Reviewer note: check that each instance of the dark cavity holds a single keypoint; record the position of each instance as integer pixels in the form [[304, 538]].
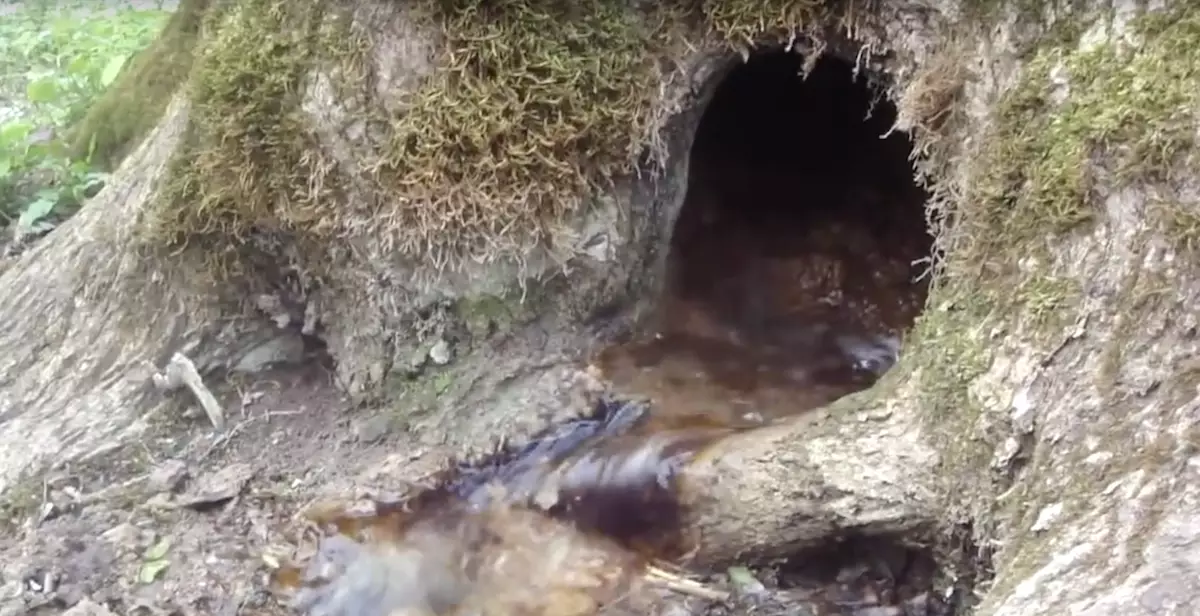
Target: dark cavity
[[795, 261]]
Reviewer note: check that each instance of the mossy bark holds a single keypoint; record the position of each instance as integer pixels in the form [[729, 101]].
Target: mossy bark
[[1062, 428], [1060, 420], [128, 110]]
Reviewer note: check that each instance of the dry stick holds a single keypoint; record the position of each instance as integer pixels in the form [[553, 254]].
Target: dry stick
[[682, 585], [180, 372]]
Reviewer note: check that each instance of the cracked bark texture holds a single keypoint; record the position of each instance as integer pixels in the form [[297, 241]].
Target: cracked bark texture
[[88, 321], [1101, 520]]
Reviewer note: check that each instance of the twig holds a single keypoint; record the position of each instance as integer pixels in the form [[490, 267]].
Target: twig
[[682, 585], [1078, 331], [180, 372], [227, 436], [107, 491]]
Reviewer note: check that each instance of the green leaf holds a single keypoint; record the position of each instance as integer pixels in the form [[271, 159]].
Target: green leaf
[[150, 571], [743, 579], [80, 65], [43, 90], [112, 69], [15, 133], [36, 210], [158, 550]]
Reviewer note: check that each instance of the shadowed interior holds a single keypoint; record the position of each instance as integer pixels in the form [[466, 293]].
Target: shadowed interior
[[794, 263]]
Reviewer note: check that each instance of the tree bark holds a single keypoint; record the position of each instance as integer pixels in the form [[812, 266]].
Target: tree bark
[[774, 491], [89, 319], [1099, 519]]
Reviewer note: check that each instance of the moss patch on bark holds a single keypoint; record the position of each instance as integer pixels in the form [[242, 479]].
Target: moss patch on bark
[[1090, 113], [133, 105], [533, 108]]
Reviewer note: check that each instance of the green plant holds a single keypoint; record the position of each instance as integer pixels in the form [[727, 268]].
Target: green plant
[[54, 63]]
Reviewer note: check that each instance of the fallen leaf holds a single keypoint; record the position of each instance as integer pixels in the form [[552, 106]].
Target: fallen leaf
[[151, 570], [158, 550]]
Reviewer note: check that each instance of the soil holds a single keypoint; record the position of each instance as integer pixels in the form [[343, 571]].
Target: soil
[[218, 501]]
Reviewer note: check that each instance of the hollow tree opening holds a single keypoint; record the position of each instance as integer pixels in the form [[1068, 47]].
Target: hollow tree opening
[[794, 260]]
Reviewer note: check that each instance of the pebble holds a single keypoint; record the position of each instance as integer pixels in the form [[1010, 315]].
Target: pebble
[[372, 429], [218, 487], [440, 352]]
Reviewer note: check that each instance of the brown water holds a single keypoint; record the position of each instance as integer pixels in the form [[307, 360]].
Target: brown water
[[767, 315], [583, 507], [794, 263], [567, 526]]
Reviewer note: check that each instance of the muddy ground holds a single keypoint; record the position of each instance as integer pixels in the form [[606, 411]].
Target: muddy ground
[[186, 521]]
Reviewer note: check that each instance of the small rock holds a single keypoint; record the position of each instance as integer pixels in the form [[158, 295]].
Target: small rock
[[48, 511], [418, 360], [217, 488], [168, 476], [125, 534], [440, 352], [87, 607], [879, 610], [917, 606], [372, 429], [1046, 517]]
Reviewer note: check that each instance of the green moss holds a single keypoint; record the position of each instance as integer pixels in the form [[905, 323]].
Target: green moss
[[126, 112], [535, 105], [1048, 302], [20, 502], [1133, 108], [949, 347], [441, 382], [249, 162], [747, 23], [485, 314], [1036, 179]]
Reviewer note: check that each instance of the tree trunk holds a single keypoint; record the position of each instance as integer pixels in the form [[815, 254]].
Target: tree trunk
[[1046, 396], [89, 319]]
